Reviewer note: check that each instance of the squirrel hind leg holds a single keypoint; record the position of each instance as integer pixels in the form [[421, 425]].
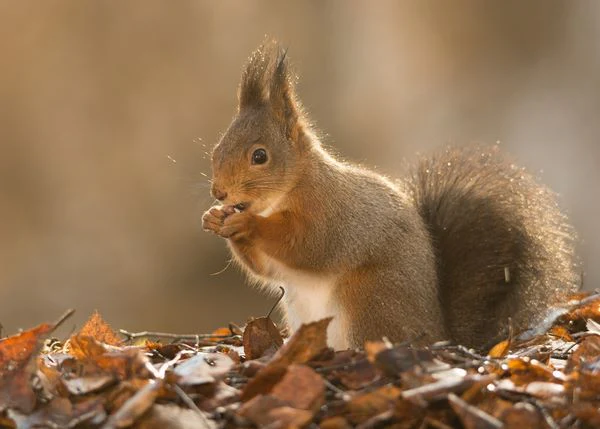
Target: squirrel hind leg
[[378, 304]]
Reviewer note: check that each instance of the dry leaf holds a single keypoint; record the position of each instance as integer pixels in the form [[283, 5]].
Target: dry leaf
[[308, 341], [135, 406], [174, 417], [17, 365], [261, 337], [587, 350], [337, 422], [522, 416], [85, 347], [257, 409], [365, 406], [301, 387], [499, 350], [101, 331], [472, 417]]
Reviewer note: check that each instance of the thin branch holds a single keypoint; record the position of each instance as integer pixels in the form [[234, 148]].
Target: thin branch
[[62, 318], [188, 337], [282, 290], [191, 404]]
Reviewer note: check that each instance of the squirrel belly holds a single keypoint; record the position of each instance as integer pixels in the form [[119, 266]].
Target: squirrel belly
[[466, 244]]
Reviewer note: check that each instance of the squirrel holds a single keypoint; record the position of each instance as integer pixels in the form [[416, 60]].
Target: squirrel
[[462, 247]]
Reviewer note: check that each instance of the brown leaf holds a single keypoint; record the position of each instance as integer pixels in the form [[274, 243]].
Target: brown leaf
[[500, 350], [358, 376], [365, 406], [301, 387], [60, 412], [373, 348], [471, 416], [264, 381], [266, 410], [396, 360], [336, 422], [587, 350], [308, 342], [261, 337], [173, 417], [125, 363], [290, 418], [561, 332], [94, 358], [101, 331], [17, 365], [522, 415], [408, 413], [85, 347], [219, 333], [525, 370], [588, 308], [135, 406], [50, 377], [257, 409], [89, 384], [588, 413]]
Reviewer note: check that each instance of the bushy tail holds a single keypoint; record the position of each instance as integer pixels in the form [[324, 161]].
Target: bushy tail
[[503, 247]]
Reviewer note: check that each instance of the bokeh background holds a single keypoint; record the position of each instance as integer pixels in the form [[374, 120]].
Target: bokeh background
[[108, 110]]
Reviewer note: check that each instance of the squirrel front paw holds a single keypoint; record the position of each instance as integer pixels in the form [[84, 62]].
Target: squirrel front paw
[[238, 225], [213, 218], [226, 222]]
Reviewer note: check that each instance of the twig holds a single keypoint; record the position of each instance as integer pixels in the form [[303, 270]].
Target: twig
[[191, 404], [462, 349], [282, 290], [190, 337], [545, 414], [343, 395], [342, 366], [62, 318], [377, 420]]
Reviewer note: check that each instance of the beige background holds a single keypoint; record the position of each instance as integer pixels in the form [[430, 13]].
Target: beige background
[[95, 96]]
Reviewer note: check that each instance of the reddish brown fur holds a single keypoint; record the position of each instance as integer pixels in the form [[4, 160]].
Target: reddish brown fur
[[422, 256]]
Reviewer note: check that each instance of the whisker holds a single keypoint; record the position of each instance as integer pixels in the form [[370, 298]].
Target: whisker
[[224, 269]]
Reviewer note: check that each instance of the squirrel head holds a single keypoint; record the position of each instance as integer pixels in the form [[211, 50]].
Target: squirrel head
[[258, 159]]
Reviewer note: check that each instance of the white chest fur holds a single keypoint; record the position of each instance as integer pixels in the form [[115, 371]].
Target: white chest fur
[[310, 297]]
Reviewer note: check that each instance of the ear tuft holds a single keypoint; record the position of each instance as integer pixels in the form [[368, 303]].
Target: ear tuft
[[268, 81], [253, 87]]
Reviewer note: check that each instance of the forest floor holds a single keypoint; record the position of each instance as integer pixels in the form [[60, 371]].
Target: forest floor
[[548, 377]]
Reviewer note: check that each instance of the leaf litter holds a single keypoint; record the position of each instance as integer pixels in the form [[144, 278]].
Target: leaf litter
[[547, 377]]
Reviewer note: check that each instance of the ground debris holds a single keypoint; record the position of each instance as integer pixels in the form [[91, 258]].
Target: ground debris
[[547, 377]]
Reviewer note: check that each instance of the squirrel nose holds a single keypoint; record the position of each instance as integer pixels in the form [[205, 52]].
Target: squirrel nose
[[219, 194]]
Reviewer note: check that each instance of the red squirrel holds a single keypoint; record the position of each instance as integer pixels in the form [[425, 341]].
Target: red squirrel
[[465, 242]]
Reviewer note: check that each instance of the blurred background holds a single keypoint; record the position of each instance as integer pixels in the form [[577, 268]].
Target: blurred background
[[108, 110]]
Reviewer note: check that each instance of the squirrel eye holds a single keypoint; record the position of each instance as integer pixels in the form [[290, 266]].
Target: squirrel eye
[[259, 156]]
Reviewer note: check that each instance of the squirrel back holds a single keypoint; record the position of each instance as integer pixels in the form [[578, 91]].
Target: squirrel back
[[464, 243], [499, 238]]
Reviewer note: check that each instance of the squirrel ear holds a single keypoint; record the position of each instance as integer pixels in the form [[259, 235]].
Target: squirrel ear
[[253, 90], [282, 96], [267, 81]]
